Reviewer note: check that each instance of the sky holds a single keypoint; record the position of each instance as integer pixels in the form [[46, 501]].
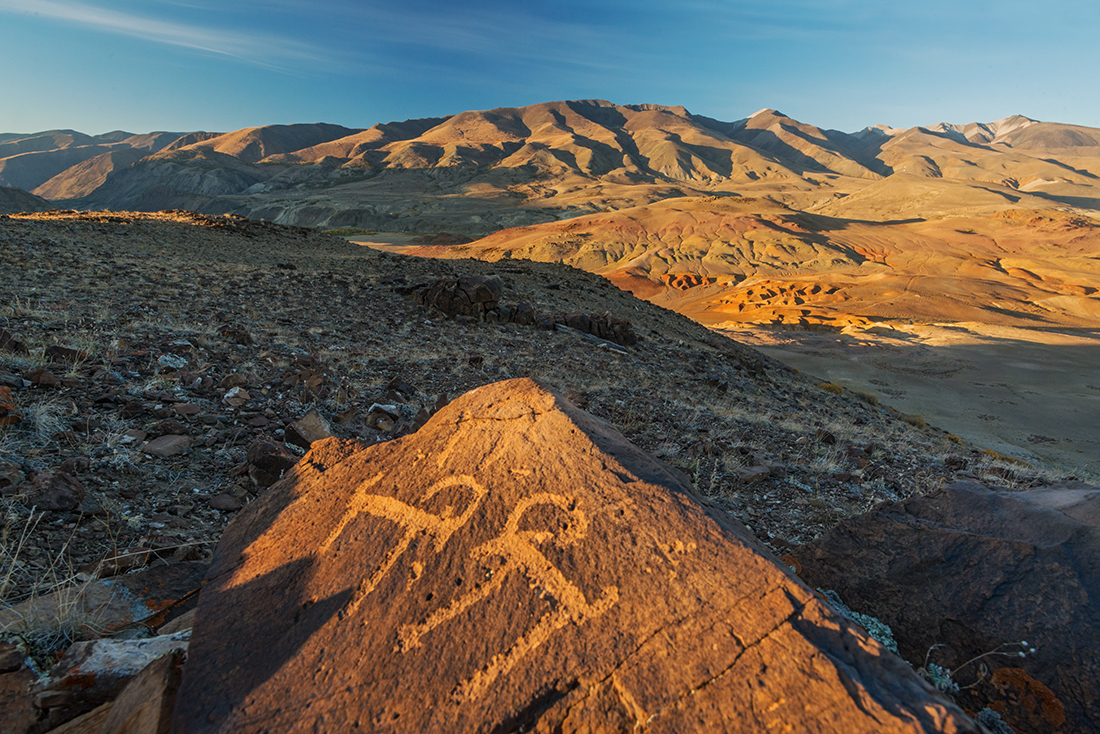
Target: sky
[[220, 65]]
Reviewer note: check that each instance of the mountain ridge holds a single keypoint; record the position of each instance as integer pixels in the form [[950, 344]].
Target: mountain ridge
[[533, 164]]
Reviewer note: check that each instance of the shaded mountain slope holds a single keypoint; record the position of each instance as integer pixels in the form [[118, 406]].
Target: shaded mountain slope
[[14, 200]]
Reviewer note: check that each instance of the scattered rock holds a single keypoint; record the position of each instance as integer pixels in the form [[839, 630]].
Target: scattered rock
[[43, 378], [236, 397], [970, 570], [9, 343], [529, 569], [268, 460], [232, 380], [186, 409], [11, 475], [171, 362], [237, 334], [132, 435], [168, 445], [470, 296], [309, 428], [55, 353], [226, 503], [753, 474], [54, 490], [90, 673]]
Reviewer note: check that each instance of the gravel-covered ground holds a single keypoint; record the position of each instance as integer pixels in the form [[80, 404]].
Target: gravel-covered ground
[[119, 329]]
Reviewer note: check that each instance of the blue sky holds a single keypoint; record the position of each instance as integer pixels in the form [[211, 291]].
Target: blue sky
[[181, 65]]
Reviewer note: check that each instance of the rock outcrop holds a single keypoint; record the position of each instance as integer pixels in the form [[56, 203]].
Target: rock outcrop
[[969, 570], [515, 565]]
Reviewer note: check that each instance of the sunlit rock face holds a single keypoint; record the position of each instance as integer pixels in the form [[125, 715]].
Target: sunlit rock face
[[518, 565]]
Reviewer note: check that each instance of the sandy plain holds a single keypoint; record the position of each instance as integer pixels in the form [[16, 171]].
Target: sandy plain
[[1027, 393]]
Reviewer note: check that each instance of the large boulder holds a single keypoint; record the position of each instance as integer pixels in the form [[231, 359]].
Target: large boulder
[[968, 570], [517, 565]]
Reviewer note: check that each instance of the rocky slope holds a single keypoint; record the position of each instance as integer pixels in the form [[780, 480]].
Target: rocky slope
[[159, 371]]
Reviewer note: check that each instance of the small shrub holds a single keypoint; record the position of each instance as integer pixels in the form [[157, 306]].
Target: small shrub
[[876, 629], [998, 456], [832, 387], [916, 421], [868, 397], [350, 232], [991, 720]]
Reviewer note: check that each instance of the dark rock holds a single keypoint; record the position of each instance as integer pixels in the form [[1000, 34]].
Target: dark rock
[[226, 503], [167, 427], [55, 353], [753, 474], [232, 380], [53, 490], [268, 460], [17, 710], [518, 565], [11, 657], [42, 377], [235, 397], [971, 570], [132, 409], [166, 446], [11, 475], [8, 343], [309, 428], [469, 296]]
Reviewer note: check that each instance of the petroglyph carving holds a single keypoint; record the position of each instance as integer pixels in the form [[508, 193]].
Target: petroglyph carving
[[518, 549], [415, 521]]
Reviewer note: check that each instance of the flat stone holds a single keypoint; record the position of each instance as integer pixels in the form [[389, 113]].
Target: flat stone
[[236, 397], [90, 673], [166, 446], [110, 604], [53, 490], [518, 565], [309, 428], [226, 503], [42, 377]]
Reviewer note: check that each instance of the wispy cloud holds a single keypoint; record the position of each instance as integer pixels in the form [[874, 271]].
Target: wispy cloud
[[264, 50]]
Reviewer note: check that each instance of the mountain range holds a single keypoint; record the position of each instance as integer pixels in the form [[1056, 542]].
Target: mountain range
[[476, 172]]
